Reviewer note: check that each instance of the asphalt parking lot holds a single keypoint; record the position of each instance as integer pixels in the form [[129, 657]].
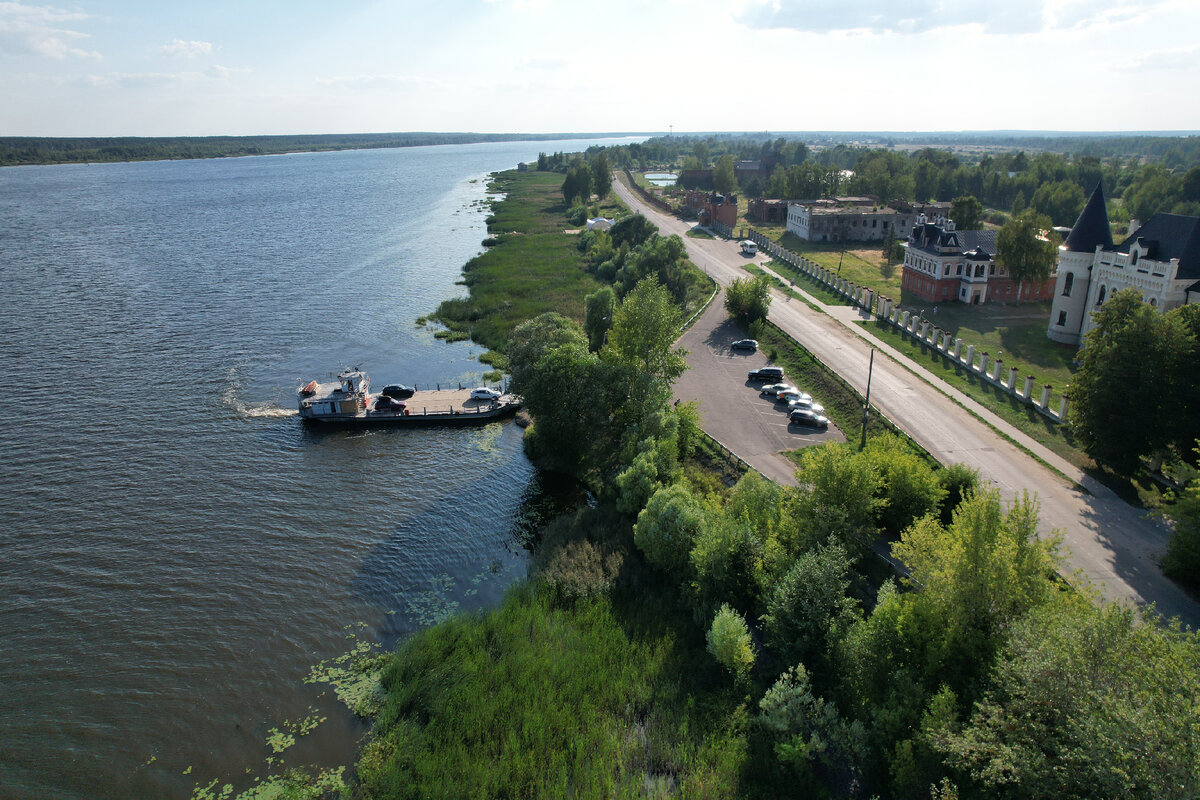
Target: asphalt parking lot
[[731, 408]]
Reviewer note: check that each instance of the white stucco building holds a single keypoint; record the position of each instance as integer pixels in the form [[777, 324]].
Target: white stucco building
[[1160, 259]]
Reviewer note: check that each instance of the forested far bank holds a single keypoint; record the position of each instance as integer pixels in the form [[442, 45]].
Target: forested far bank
[[24, 150]]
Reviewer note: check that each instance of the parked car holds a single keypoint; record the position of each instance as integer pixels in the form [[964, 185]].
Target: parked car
[[386, 403], [808, 403], [765, 374], [793, 394], [483, 393], [808, 418], [773, 389], [744, 344], [399, 391]]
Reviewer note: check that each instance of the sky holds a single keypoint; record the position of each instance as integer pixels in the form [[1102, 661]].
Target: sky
[[181, 68]]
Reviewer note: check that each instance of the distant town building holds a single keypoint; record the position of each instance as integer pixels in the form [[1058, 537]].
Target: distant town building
[[744, 171], [849, 219], [712, 207], [1160, 259], [942, 265], [767, 210]]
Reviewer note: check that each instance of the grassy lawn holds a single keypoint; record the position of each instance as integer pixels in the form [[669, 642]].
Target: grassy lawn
[[1014, 333], [809, 284]]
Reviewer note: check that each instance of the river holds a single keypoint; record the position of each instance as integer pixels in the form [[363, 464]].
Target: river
[[176, 549]]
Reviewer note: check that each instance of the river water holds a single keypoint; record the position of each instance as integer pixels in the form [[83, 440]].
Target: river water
[[176, 550]]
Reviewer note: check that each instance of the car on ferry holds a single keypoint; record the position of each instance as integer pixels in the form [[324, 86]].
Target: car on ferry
[[484, 393]]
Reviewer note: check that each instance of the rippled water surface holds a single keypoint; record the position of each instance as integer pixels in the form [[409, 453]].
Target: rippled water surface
[[176, 550]]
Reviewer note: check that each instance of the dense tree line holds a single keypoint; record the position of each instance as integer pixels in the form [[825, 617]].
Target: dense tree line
[[16, 150], [1146, 174], [977, 675]]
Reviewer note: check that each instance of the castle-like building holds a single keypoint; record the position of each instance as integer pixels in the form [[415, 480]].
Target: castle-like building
[[945, 265], [1160, 259]]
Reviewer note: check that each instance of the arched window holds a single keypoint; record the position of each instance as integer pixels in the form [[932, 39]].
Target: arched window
[[1153, 302], [1100, 297], [1068, 283]]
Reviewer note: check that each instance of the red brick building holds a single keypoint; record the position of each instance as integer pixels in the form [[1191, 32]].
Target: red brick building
[[943, 265]]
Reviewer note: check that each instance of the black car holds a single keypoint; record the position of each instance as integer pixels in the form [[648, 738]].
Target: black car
[[767, 374], [744, 344], [399, 391], [808, 418]]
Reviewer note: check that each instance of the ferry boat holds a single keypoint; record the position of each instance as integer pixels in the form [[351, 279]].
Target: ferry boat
[[350, 402]]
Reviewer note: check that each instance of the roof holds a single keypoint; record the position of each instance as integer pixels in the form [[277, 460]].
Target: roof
[[1168, 236], [1091, 228], [931, 237]]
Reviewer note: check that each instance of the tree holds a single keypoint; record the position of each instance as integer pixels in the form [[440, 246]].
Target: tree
[[1088, 702], [808, 609], [729, 643], [1025, 251], [1061, 201], [748, 299], [601, 174], [577, 186], [724, 177], [967, 213], [889, 247], [642, 339], [666, 528], [976, 576], [598, 316], [1129, 371]]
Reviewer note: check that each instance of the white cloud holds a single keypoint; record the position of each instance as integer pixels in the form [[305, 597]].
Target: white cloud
[[893, 16], [545, 63], [378, 81], [179, 47], [1180, 58], [143, 80], [220, 73], [37, 30]]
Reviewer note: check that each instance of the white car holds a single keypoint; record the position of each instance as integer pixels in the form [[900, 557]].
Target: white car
[[793, 394], [814, 407], [484, 393]]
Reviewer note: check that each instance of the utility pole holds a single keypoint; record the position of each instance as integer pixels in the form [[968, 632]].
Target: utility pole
[[867, 401]]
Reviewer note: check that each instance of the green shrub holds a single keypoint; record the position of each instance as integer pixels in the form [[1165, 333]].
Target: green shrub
[[729, 643]]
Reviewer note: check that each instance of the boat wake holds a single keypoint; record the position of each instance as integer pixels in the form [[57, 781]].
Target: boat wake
[[264, 410], [230, 399]]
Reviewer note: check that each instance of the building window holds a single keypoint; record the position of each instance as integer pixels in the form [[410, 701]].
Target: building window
[[959, 270], [1153, 302], [1062, 319], [1100, 297], [992, 270], [1068, 283], [1133, 258], [947, 272]]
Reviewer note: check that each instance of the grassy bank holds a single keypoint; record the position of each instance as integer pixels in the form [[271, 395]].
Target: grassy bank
[[606, 696], [532, 267]]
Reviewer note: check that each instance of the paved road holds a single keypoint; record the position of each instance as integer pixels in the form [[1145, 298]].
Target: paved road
[[1113, 544]]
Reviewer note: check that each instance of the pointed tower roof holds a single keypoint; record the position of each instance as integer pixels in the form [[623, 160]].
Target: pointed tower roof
[[1091, 228]]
